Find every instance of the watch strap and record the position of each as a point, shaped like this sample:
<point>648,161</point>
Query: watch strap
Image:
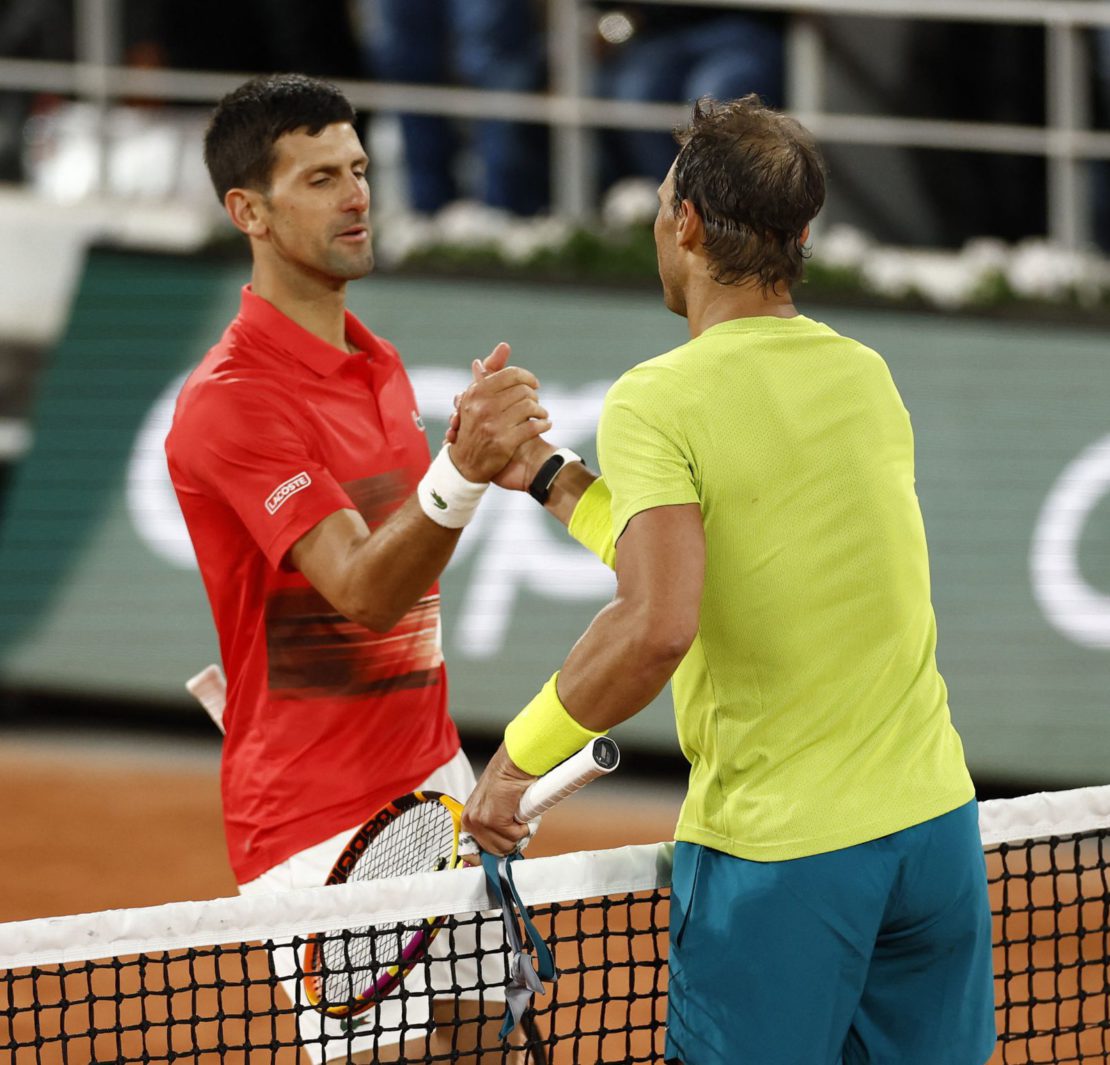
<point>540,488</point>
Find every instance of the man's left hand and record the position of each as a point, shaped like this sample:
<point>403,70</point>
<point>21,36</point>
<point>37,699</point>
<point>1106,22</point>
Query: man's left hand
<point>489,814</point>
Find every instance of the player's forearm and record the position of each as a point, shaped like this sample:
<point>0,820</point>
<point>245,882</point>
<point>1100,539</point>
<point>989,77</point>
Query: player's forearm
<point>567,490</point>
<point>580,499</point>
<point>614,671</point>
<point>622,662</point>
<point>393,568</point>
<point>632,647</point>
<point>375,578</point>
<point>577,496</point>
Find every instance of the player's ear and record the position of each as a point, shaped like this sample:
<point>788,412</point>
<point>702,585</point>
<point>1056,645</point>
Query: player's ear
<point>804,239</point>
<point>245,209</point>
<point>689,229</point>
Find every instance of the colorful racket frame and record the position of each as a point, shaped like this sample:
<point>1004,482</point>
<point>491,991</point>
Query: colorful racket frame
<point>600,756</point>
<point>390,976</point>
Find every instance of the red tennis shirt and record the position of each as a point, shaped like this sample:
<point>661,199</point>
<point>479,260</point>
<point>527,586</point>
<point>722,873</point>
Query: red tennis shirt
<point>326,721</point>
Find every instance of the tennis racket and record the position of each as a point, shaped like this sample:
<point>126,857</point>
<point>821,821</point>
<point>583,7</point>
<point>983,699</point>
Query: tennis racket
<point>348,972</point>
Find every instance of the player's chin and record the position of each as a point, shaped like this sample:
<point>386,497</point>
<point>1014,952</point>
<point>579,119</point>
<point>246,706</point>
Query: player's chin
<point>351,264</point>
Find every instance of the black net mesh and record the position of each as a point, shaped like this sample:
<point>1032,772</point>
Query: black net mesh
<point>227,1004</point>
<point>420,838</point>
<point>1051,905</point>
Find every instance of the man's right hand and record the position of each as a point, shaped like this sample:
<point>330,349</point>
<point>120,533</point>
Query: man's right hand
<point>498,414</point>
<point>518,473</point>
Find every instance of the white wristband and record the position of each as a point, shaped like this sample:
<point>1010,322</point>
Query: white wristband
<point>445,495</point>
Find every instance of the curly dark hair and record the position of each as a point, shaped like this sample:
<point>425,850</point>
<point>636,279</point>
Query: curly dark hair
<point>239,141</point>
<point>757,180</point>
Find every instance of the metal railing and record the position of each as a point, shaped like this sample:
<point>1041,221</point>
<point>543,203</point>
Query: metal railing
<point>1066,141</point>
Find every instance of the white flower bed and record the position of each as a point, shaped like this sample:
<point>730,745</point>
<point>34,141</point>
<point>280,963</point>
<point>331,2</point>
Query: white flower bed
<point>985,270</point>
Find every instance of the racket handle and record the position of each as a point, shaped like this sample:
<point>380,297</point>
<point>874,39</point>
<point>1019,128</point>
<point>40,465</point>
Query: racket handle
<point>598,757</point>
<point>209,688</point>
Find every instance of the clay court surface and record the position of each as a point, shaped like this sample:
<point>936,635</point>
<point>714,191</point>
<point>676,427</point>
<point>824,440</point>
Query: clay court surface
<point>97,822</point>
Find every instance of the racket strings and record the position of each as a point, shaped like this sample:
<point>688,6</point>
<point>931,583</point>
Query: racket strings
<point>368,960</point>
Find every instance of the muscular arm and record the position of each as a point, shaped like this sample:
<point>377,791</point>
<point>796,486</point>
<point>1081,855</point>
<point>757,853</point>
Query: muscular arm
<point>624,658</point>
<point>636,642</point>
<point>567,490</point>
<point>591,526</point>
<point>375,579</point>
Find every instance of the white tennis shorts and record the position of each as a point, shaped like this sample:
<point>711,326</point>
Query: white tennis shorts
<point>310,868</point>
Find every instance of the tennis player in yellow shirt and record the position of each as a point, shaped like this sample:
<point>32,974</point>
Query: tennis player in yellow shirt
<point>829,901</point>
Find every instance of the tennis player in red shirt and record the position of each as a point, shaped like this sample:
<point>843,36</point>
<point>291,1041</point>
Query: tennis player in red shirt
<point>302,468</point>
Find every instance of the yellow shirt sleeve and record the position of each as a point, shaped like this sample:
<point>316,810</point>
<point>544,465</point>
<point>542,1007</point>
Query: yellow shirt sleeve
<point>642,448</point>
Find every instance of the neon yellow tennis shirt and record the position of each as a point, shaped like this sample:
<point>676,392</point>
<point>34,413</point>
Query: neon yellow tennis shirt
<point>809,706</point>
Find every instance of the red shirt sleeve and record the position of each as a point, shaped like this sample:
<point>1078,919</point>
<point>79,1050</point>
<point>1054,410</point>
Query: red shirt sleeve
<point>244,443</point>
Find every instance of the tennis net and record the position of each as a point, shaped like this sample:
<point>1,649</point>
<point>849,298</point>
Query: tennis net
<point>202,982</point>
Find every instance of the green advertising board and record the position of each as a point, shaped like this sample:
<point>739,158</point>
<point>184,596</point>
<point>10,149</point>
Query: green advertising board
<point>101,594</point>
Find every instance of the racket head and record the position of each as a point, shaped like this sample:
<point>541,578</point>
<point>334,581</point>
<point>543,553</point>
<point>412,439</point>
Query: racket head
<point>348,971</point>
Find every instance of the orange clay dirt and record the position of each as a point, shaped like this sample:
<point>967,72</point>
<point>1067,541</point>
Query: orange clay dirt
<point>96,822</point>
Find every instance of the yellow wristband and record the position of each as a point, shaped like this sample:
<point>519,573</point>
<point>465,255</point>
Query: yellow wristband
<point>591,524</point>
<point>543,734</point>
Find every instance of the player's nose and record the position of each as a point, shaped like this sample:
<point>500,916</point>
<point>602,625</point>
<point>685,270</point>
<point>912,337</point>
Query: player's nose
<point>356,195</point>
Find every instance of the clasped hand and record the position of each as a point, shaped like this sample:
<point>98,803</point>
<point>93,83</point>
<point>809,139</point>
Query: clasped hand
<point>495,428</point>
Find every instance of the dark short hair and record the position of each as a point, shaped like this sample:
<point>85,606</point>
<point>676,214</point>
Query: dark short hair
<point>239,141</point>
<point>756,178</point>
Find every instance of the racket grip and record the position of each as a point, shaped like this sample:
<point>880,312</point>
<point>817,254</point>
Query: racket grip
<point>209,688</point>
<point>598,757</point>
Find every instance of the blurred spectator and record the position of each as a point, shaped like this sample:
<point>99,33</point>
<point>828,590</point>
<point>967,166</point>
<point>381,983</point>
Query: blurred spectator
<point>678,54</point>
<point>980,73</point>
<point>29,29</point>
<point>485,44</point>
<point>149,148</point>
<point>248,35</point>
<point>1100,171</point>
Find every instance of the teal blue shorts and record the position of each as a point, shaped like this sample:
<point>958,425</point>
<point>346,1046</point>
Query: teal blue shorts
<point>877,954</point>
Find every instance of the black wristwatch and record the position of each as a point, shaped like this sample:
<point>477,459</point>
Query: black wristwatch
<point>540,488</point>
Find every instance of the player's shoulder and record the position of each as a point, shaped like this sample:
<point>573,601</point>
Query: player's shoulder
<point>654,379</point>
<point>226,394</point>
<point>219,385</point>
<point>823,332</point>
<point>859,362</point>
